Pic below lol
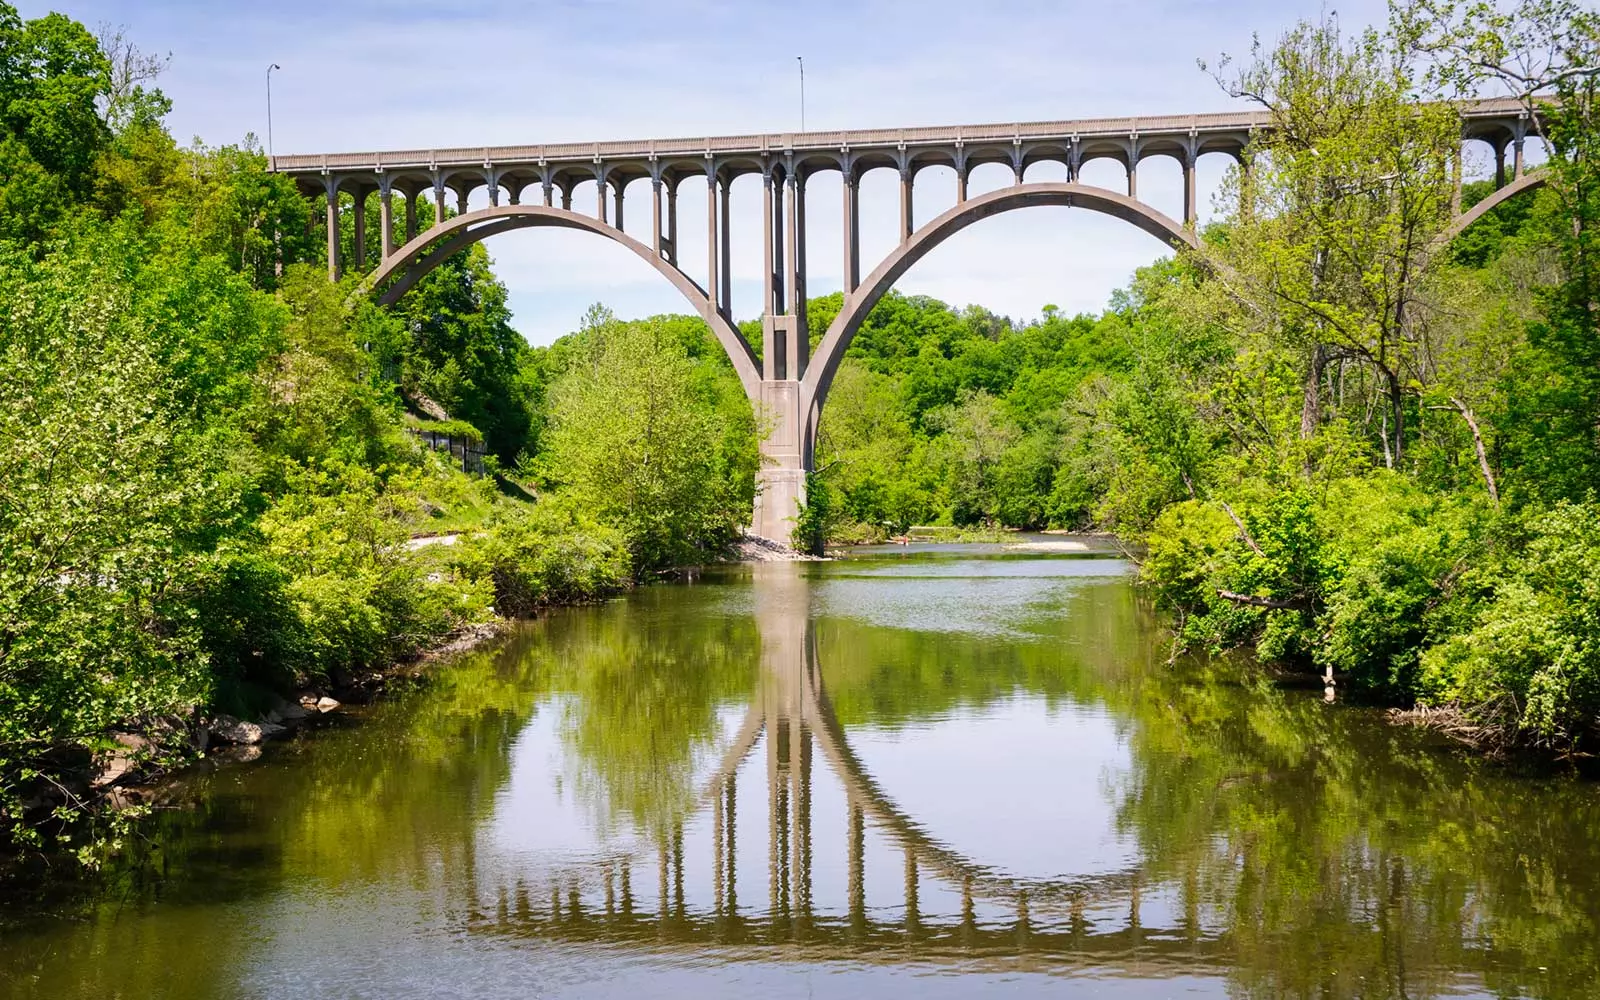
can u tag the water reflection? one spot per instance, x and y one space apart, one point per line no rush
725 788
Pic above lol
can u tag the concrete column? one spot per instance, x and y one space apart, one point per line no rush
672 222
852 235
359 252
655 215
1499 165
438 201
1191 215
778 269
1244 187
799 346
769 266
1455 182
1017 170
514 195
725 272
617 190
566 197
1516 159
335 269
411 216
1133 177
961 184
771 347
712 256
600 196
461 202
494 193
549 193
907 224
386 218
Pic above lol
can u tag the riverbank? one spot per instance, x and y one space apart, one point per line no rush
130 766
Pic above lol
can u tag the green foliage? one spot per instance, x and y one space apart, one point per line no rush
816 517
1526 652
653 441
552 552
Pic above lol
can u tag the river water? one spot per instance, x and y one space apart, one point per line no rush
951 772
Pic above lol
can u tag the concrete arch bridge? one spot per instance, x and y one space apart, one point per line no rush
532 186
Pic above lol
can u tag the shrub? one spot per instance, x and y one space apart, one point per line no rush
549 553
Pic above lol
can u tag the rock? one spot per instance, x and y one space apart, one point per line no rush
326 704
271 731
113 766
230 730
111 769
132 742
288 714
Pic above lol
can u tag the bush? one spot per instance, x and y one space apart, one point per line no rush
1527 653
549 553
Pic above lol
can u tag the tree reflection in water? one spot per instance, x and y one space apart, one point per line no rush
722 740
1299 848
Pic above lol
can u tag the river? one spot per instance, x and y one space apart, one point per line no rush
948 772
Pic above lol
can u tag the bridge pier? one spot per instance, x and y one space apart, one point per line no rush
786 452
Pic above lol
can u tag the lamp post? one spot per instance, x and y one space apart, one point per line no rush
269 109
802 61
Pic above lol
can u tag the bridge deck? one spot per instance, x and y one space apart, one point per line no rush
1484 118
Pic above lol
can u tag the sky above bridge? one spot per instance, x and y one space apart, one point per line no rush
402 74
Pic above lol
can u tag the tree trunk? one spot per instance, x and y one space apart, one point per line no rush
1311 404
1477 445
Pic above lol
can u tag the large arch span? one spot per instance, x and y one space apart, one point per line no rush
411 263
1495 198
858 304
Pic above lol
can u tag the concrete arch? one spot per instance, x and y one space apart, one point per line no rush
825 361
411 262
1459 224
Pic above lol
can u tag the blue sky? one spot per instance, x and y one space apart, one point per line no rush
406 74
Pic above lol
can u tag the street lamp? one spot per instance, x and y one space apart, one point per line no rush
802 61
269 109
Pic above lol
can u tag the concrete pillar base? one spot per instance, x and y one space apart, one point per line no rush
779 493
785 457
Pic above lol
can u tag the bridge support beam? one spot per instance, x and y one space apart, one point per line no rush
359 251
852 235
386 218
907 222
799 352
672 223
712 256
655 216
725 268
335 270
1191 214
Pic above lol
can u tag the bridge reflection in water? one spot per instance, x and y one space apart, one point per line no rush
1083 921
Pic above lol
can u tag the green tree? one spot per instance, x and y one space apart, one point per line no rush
636 435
